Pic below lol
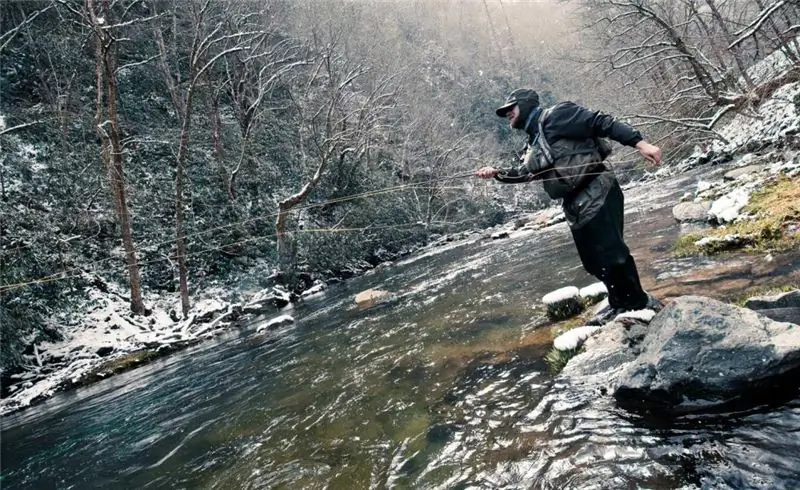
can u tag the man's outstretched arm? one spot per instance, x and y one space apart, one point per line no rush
569 120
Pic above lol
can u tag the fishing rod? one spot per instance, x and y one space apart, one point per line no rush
64 275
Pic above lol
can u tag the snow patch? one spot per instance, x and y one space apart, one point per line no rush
727 208
573 338
559 295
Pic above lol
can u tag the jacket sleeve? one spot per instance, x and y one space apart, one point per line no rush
516 175
569 120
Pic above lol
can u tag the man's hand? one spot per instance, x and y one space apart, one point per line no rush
651 153
486 172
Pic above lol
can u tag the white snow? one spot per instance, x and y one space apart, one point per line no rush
593 291
727 208
573 338
643 315
105 321
559 295
275 323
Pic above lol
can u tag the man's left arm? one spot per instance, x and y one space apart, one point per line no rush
573 121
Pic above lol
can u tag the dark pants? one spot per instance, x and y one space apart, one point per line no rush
604 254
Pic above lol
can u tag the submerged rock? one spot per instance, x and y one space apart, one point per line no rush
372 297
699 353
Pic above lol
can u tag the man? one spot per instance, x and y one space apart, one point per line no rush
565 151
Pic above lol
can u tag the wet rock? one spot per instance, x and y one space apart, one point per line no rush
371 297
699 353
691 211
317 288
789 299
784 307
104 351
267 300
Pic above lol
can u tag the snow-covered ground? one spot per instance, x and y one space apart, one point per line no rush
103 329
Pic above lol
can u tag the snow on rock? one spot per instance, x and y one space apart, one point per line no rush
317 288
275 323
572 339
726 209
594 292
563 294
563 303
642 315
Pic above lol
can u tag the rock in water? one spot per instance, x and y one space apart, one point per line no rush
275 323
699 353
371 297
563 303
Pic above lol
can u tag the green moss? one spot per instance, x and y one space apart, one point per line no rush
772 208
557 359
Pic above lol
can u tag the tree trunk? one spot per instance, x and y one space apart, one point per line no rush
715 13
111 148
180 235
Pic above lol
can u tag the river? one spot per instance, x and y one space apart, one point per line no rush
444 387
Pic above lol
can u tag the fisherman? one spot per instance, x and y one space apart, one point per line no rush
565 150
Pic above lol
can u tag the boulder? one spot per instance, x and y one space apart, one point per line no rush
691 211
789 299
699 354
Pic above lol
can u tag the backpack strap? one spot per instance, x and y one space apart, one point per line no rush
544 146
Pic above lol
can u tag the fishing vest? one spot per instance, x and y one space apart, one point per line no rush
567 165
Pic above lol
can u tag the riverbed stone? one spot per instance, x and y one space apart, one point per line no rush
371 297
699 353
789 299
691 211
743 173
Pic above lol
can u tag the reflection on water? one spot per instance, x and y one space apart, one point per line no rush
443 387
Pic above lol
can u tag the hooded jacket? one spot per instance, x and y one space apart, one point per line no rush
577 173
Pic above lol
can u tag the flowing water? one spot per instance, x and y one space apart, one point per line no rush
443 387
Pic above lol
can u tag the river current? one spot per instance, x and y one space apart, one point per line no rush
443 387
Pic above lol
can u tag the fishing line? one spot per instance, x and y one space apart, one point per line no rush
66 274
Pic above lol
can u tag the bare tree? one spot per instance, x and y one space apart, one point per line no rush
338 119
98 15
211 42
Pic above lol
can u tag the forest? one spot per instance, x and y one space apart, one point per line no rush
171 145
